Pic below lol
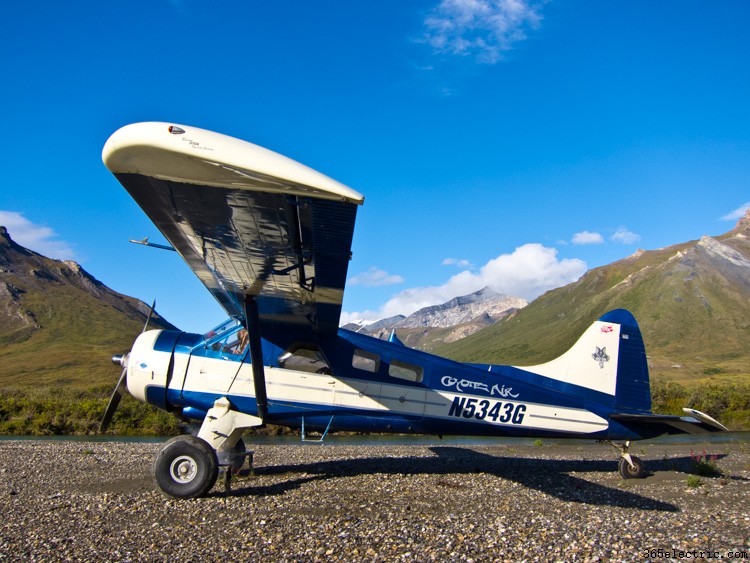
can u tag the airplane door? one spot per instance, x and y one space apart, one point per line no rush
408 400
360 390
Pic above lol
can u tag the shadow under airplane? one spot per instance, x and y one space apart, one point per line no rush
554 477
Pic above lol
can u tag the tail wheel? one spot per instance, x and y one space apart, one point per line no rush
636 471
186 467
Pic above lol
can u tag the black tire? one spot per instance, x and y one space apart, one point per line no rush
638 470
186 467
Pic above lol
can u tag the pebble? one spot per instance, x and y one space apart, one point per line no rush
96 501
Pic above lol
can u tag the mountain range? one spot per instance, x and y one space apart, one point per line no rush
58 323
434 326
692 301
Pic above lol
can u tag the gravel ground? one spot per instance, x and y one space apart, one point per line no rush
95 501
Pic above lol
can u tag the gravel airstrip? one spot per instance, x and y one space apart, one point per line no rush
96 501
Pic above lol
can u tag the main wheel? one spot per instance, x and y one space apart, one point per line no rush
186 467
628 472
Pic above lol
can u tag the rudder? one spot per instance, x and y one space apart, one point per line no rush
633 394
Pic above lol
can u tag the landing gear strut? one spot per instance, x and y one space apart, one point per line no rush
188 466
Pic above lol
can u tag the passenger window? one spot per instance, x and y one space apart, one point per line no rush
405 371
366 361
305 357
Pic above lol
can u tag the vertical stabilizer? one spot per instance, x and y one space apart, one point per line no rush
609 358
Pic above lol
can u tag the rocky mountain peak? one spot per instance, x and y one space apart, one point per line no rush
36 292
448 321
741 230
8 245
483 304
744 223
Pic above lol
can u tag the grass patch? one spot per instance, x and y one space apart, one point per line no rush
704 465
58 411
694 481
727 403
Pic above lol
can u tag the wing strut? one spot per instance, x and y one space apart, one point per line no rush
252 323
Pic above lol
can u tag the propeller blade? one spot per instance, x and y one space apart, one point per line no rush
114 401
148 319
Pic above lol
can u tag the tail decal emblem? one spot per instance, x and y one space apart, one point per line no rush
601 356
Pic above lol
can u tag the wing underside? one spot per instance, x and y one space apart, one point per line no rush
265 235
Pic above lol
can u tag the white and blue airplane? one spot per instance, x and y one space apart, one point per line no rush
271 240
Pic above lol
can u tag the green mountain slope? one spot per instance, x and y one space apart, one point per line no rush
58 324
692 301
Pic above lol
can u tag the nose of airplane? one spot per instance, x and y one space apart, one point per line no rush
148 366
144 371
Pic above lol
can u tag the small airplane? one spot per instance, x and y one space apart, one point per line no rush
271 239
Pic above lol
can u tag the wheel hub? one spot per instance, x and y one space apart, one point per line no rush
183 469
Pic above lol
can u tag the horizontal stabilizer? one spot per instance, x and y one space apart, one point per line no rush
705 419
652 425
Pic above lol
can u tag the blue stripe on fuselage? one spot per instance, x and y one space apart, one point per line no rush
318 417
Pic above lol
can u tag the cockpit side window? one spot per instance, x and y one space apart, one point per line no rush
236 343
222 330
305 357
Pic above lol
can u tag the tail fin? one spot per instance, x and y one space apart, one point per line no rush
609 358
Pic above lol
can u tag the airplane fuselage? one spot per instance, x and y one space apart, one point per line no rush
354 382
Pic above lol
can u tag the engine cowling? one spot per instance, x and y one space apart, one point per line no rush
149 366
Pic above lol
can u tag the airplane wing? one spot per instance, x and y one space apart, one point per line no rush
248 221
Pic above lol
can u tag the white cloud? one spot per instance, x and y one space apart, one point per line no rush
484 29
738 213
457 262
375 277
625 236
36 237
586 237
527 272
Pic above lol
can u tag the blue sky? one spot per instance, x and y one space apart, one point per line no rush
505 143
